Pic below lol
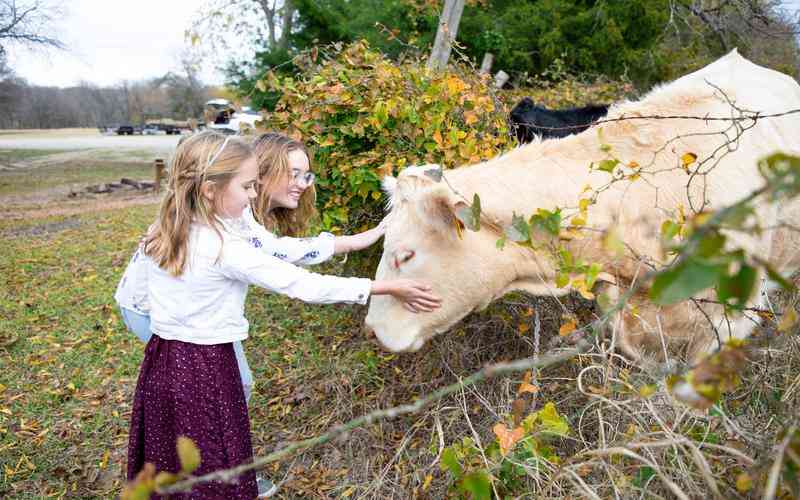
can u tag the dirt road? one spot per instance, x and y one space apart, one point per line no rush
74 139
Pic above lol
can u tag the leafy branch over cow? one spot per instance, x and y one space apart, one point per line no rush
553 176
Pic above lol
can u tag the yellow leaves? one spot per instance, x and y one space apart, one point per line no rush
188 454
547 421
583 205
744 482
470 117
526 385
788 321
568 327
455 85
687 159
437 138
507 438
612 243
647 390
427 483
580 286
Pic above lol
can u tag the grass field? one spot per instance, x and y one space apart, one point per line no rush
68 369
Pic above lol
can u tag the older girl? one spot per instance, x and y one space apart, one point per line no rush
204 256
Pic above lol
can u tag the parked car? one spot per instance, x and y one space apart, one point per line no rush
151 129
125 130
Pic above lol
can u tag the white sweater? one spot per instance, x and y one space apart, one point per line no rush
205 305
131 291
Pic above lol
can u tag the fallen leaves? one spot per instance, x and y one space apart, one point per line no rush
507 438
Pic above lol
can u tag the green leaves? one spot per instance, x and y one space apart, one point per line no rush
684 280
547 421
470 215
477 483
736 290
608 165
518 231
781 171
450 463
434 173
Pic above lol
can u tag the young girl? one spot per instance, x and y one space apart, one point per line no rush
204 255
285 204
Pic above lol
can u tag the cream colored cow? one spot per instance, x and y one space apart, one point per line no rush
470 272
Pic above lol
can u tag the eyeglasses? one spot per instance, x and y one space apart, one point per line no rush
306 177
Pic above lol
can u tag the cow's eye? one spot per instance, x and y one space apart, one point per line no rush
403 256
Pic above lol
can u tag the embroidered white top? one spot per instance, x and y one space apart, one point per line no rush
205 305
131 291
303 251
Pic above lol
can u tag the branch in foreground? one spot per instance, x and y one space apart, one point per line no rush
486 372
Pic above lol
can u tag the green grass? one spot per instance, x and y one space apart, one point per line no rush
16 155
70 367
78 173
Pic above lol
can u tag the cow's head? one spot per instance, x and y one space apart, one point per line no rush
424 242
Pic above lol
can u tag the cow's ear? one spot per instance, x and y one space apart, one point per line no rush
440 210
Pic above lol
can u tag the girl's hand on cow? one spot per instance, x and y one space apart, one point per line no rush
414 295
344 244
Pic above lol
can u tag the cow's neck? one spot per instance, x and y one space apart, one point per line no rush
539 175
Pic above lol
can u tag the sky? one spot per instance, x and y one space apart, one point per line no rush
114 40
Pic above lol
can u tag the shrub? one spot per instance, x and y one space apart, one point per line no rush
366 117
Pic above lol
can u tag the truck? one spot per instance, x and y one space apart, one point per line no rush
221 115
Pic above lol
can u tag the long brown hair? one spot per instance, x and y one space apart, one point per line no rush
207 157
272 153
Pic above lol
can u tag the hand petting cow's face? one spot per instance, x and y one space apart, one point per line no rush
423 242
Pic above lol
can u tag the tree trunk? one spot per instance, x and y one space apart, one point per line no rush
446 34
287 20
268 7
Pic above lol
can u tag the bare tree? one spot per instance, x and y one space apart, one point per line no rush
231 27
278 34
28 23
736 22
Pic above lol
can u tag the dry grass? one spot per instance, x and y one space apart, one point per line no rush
621 444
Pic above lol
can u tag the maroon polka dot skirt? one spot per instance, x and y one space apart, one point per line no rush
195 391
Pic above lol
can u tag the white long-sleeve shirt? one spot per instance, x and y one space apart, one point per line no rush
205 304
131 291
303 251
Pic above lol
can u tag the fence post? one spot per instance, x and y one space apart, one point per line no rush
486 65
158 166
446 34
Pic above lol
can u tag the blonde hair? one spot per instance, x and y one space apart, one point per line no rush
207 157
272 153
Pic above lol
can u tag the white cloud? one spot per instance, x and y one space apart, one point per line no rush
112 40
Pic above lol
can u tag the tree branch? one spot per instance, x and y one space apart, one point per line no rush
487 372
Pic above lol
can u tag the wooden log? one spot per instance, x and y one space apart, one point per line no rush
131 182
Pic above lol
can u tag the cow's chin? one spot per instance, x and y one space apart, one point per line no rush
400 342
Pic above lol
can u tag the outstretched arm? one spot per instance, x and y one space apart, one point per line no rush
351 243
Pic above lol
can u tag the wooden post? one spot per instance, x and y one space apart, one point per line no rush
158 166
486 65
500 79
446 34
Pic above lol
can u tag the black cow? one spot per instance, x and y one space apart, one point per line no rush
529 119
